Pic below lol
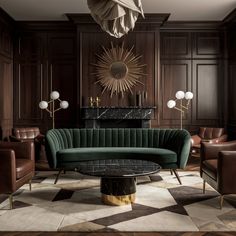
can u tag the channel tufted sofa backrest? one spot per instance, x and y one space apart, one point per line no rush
172 139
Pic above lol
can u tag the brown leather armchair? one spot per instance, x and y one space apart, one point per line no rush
207 134
218 167
31 134
16 166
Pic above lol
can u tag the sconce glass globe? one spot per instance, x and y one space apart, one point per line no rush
64 104
188 95
54 95
179 95
43 105
171 104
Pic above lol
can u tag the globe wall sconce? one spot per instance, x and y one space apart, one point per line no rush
180 95
54 97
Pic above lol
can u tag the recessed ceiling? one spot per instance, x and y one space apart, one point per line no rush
180 10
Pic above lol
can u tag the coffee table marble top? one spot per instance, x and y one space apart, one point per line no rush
118 168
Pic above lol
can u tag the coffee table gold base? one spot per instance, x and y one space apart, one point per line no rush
118 200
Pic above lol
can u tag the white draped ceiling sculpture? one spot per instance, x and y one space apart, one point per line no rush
116 17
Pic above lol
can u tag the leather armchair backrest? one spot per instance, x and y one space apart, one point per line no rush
172 139
26 133
211 133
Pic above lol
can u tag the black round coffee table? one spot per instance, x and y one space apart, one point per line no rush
118 177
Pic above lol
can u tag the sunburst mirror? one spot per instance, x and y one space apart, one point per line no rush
118 70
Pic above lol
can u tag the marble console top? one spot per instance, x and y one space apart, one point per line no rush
105 113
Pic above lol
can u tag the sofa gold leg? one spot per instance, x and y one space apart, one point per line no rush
59 172
204 187
30 184
11 201
177 176
171 172
221 201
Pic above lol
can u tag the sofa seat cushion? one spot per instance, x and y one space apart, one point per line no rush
159 155
210 168
23 167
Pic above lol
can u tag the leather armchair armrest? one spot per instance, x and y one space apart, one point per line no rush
226 172
23 150
211 150
7 170
14 139
195 140
221 139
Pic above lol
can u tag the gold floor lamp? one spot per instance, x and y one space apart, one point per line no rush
54 95
180 95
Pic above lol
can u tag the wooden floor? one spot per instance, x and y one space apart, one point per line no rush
119 234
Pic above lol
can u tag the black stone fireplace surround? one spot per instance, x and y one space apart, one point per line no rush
117 117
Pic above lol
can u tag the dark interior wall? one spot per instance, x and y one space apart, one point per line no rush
6 74
178 56
145 40
232 80
192 59
44 61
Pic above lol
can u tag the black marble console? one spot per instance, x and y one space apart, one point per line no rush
108 117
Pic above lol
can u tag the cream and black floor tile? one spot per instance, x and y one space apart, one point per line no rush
74 204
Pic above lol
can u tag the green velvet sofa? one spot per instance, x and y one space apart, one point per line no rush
168 147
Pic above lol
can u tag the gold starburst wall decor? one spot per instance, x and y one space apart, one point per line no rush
118 70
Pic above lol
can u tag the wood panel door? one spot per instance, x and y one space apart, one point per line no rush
208 89
62 74
175 76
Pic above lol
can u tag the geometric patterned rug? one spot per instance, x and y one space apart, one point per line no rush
74 204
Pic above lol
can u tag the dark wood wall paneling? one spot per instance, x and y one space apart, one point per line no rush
6 74
191 60
232 76
179 56
45 61
145 39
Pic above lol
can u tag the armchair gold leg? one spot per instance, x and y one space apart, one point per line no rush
204 187
177 175
11 201
30 184
221 201
171 172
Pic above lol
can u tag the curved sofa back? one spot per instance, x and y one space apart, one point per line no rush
172 139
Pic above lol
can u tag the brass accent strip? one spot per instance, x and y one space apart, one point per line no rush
118 200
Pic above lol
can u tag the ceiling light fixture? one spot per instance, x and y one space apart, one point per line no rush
116 17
